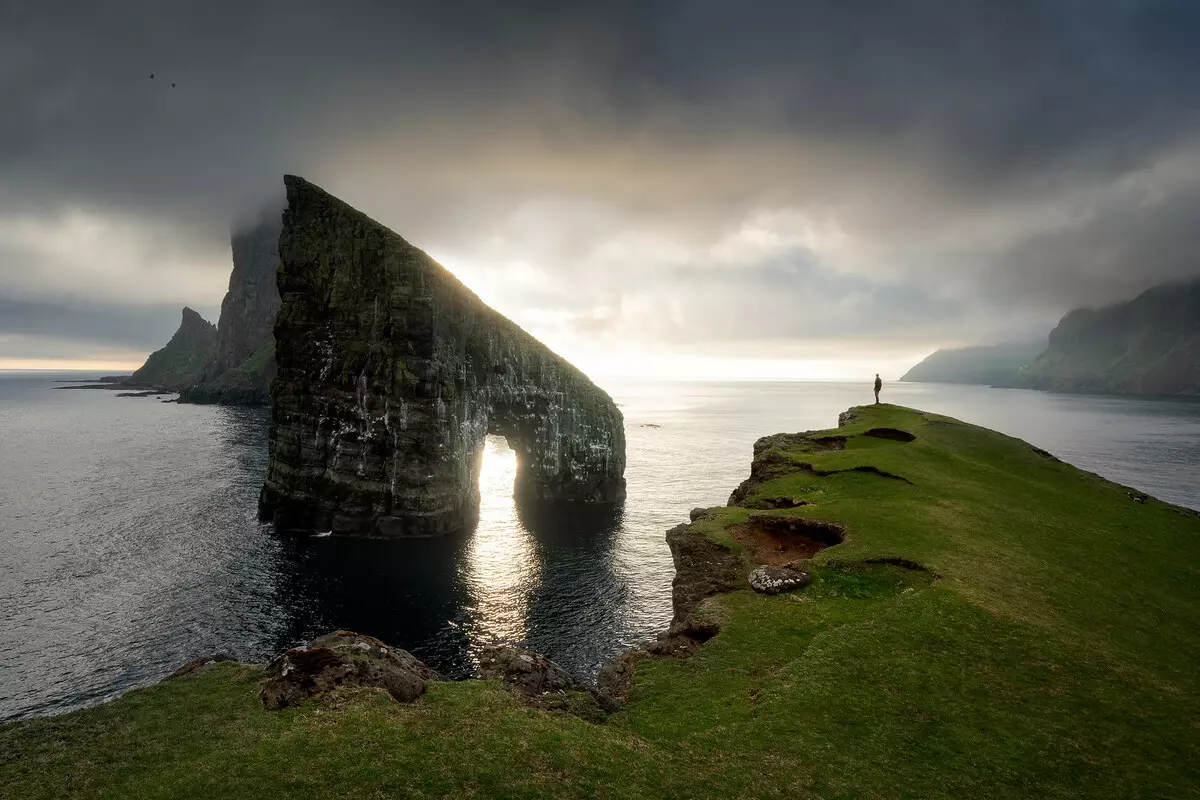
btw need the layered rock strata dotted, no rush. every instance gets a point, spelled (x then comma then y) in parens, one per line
(390, 375)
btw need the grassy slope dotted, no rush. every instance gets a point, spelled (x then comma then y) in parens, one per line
(1052, 657)
(174, 366)
(251, 373)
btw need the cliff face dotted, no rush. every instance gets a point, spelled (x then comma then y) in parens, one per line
(391, 373)
(989, 365)
(1149, 345)
(244, 365)
(181, 361)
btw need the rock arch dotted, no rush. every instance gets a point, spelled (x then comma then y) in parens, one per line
(390, 375)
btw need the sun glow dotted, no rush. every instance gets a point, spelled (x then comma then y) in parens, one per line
(501, 559)
(68, 365)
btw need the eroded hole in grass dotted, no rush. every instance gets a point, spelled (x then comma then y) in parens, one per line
(779, 540)
(897, 561)
(893, 434)
(771, 503)
(865, 468)
(874, 578)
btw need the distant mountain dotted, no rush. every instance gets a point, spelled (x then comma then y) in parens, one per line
(233, 363)
(244, 365)
(181, 362)
(988, 365)
(1148, 345)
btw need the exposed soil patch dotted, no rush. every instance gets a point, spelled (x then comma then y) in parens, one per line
(893, 434)
(778, 540)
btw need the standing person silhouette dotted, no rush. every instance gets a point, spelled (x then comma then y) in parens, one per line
(878, 386)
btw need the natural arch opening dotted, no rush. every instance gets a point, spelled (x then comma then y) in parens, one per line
(390, 375)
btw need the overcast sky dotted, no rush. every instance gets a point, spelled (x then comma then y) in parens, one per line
(673, 186)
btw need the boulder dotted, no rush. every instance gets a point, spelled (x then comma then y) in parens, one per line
(528, 673)
(776, 580)
(344, 659)
(541, 683)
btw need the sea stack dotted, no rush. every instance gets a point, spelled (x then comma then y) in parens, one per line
(391, 373)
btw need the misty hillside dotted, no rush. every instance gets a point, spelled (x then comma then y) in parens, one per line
(180, 362)
(987, 365)
(1148, 345)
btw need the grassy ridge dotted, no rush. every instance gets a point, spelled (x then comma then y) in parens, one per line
(1048, 651)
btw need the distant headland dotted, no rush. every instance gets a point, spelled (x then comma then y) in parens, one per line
(1149, 345)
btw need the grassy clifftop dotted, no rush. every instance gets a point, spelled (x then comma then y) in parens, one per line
(994, 623)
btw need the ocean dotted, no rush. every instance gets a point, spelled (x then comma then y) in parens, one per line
(129, 542)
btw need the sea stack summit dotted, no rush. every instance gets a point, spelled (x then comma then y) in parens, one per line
(390, 375)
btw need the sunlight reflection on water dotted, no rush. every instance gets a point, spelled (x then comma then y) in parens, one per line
(500, 558)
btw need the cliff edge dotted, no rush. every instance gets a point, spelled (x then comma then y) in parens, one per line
(978, 619)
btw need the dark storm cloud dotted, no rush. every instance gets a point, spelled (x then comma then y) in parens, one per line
(133, 327)
(975, 153)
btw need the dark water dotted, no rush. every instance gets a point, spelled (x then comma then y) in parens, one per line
(129, 544)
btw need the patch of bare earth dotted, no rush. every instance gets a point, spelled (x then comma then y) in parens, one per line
(780, 540)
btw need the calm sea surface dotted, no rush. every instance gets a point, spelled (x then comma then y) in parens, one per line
(129, 542)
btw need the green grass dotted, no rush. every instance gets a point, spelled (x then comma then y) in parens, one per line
(181, 362)
(251, 372)
(1050, 652)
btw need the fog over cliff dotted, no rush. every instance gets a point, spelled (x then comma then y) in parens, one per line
(773, 180)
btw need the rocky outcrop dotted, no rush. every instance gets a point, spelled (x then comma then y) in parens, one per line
(244, 365)
(1149, 345)
(702, 568)
(541, 683)
(391, 373)
(527, 672)
(986, 365)
(343, 660)
(181, 362)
